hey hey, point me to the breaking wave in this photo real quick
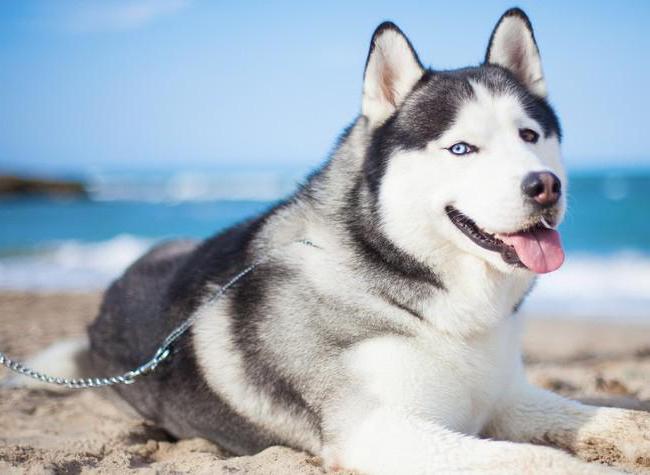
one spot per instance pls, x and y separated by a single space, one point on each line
590 286
594 287
194 186
71 265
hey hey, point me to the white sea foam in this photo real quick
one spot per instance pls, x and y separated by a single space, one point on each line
71 265
595 286
194 186
591 286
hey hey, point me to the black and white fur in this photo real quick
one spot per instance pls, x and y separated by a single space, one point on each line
392 346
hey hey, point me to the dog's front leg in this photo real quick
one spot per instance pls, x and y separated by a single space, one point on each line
531 414
389 441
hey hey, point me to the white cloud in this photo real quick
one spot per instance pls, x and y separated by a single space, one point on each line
117 15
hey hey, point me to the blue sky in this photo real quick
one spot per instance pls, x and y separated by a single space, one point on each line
180 83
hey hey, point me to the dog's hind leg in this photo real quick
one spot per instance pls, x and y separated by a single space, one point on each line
531 414
388 441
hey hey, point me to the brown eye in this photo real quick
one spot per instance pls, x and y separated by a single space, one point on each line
528 135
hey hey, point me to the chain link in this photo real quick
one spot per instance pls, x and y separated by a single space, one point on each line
162 353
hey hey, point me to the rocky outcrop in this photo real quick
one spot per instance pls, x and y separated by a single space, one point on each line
15 186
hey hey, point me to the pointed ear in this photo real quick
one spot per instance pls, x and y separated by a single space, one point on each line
512 45
392 69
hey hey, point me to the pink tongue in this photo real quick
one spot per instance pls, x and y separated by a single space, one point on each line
539 250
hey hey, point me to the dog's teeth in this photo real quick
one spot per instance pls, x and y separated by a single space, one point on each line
546 223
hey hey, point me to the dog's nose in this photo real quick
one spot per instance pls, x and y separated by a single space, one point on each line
543 187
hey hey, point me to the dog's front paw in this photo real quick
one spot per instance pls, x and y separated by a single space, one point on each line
619 437
635 441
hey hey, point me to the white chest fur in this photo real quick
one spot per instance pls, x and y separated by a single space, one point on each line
447 380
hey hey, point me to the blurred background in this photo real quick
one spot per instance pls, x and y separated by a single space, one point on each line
126 122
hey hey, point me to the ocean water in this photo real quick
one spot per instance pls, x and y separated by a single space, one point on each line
51 245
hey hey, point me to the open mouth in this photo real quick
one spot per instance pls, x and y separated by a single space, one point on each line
537 247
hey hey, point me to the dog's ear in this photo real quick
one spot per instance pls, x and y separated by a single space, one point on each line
392 69
512 45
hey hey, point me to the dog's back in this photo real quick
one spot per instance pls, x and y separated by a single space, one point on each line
139 310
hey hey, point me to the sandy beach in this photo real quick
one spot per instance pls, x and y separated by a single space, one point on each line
82 432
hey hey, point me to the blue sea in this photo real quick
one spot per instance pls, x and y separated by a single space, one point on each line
52 245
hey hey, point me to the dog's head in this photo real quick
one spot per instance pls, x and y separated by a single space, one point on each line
467 159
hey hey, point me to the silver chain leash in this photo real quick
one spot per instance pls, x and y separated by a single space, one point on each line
162 353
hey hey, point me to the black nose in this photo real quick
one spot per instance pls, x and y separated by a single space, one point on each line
543 187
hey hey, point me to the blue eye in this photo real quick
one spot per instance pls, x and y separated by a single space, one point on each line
462 148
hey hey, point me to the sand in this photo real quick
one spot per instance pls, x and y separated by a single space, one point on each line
82 432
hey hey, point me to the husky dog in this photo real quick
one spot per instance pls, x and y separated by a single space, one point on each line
388 345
